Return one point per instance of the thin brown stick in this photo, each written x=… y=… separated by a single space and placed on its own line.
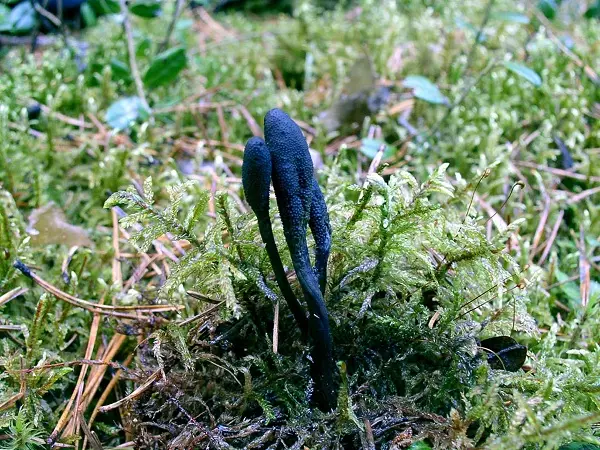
x=485 y=174
x=111 y=384
x=211 y=23
x=96 y=376
x=558 y=172
x=12 y=294
x=145 y=256
x=560 y=283
x=135 y=73
x=552 y=237
x=486 y=302
x=199 y=107
x=78 y=362
x=137 y=392
x=540 y=228
x=95 y=307
x=201 y=315
x=584 y=270
x=62 y=421
x=139 y=271
x=11 y=401
x=252 y=124
x=514 y=186
x=497 y=221
x=222 y=124
x=73 y=426
x=376 y=160
x=176 y=13
x=584 y=194
x=404 y=105
x=66 y=119
x=89 y=435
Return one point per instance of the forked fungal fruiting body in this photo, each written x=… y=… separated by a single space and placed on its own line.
x=256 y=179
x=300 y=202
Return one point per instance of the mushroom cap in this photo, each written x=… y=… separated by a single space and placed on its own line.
x=292 y=164
x=256 y=174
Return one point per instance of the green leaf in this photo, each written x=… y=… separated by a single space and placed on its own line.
x=425 y=90
x=370 y=147
x=184 y=24
x=4 y=13
x=569 y=288
x=579 y=446
x=510 y=16
x=122 y=113
x=143 y=48
x=21 y=19
x=420 y=445
x=593 y=12
x=120 y=70
x=102 y=7
x=464 y=25
x=165 y=67
x=148 y=9
x=524 y=72
x=548 y=8
x=88 y=15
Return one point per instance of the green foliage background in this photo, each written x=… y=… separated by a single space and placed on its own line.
x=411 y=241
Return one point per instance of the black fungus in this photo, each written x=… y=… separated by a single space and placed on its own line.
x=321 y=231
x=292 y=175
x=256 y=178
x=504 y=353
x=300 y=202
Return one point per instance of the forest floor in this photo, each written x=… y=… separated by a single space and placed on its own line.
x=457 y=144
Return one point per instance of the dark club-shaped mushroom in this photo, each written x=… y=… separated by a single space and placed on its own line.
x=256 y=179
x=300 y=202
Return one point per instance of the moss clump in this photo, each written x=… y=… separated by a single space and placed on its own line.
x=400 y=318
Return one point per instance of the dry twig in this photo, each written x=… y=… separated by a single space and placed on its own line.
x=552 y=237
x=135 y=73
x=95 y=307
x=136 y=393
x=176 y=13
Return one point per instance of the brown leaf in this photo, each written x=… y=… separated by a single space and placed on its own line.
x=48 y=225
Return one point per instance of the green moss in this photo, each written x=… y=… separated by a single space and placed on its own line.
x=406 y=268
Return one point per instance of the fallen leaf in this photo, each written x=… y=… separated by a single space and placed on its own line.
x=48 y=225
x=360 y=98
